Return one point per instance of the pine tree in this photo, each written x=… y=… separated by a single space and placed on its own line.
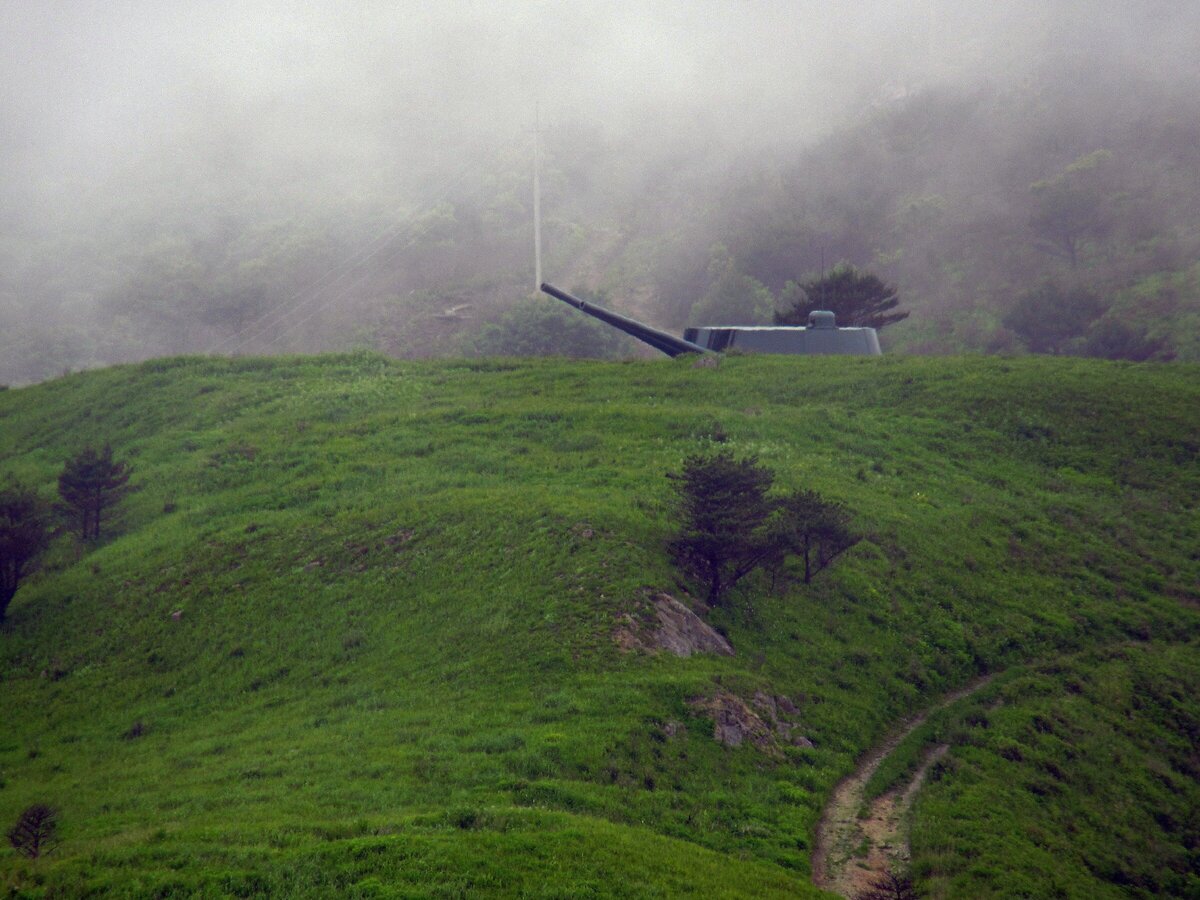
x=730 y=526
x=91 y=482
x=857 y=299
x=724 y=508
x=814 y=529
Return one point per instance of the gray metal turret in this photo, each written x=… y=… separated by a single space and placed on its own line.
x=821 y=337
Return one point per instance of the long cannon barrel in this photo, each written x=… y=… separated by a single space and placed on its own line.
x=659 y=340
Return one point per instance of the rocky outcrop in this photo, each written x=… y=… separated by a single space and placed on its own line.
x=767 y=721
x=664 y=623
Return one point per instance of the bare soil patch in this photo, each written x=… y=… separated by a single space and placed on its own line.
x=852 y=851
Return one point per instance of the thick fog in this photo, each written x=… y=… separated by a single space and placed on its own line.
x=93 y=89
x=121 y=120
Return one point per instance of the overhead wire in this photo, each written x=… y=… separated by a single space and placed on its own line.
x=344 y=292
x=330 y=274
x=273 y=319
x=413 y=239
x=287 y=309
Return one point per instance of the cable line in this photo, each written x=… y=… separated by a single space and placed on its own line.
x=278 y=316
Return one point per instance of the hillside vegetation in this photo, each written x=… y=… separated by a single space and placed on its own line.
x=352 y=634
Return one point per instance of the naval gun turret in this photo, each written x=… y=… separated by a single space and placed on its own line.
x=821 y=336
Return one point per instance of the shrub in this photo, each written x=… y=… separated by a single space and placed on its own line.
x=889 y=885
x=1049 y=317
x=35 y=831
x=543 y=327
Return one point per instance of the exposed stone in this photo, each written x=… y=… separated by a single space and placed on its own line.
x=625 y=635
x=735 y=721
x=683 y=633
x=766 y=703
x=669 y=625
x=707 y=361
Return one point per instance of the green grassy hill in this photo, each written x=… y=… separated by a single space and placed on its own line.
x=364 y=610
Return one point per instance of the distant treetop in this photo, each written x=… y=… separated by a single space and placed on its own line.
x=857 y=298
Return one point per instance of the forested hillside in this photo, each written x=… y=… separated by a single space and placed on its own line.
x=988 y=206
x=971 y=201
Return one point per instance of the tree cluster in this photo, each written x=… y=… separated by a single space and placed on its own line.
x=732 y=298
x=1070 y=320
x=90 y=483
x=730 y=524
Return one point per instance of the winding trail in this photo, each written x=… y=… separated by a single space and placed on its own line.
x=851 y=851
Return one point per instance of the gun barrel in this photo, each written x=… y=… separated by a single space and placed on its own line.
x=659 y=340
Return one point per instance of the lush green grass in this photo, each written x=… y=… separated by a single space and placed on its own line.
x=1079 y=779
x=1076 y=778
x=397 y=584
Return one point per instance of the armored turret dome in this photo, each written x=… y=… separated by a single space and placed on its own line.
x=822 y=318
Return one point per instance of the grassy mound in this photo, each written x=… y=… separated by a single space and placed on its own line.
x=353 y=632
x=1077 y=779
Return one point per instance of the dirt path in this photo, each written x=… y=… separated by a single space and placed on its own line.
x=852 y=851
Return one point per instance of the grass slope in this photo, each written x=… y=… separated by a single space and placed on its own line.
x=392 y=673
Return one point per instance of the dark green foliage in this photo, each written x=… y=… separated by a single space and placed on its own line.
x=35 y=832
x=924 y=194
x=545 y=327
x=733 y=298
x=921 y=192
x=723 y=505
x=730 y=526
x=1084 y=784
x=857 y=298
x=1049 y=317
x=91 y=482
x=889 y=886
x=1113 y=339
x=23 y=537
x=816 y=530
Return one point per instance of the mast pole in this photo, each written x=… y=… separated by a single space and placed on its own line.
x=537 y=199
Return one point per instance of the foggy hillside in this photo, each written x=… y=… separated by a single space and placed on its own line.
x=238 y=178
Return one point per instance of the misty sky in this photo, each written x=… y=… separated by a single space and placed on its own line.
x=92 y=87
x=124 y=117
